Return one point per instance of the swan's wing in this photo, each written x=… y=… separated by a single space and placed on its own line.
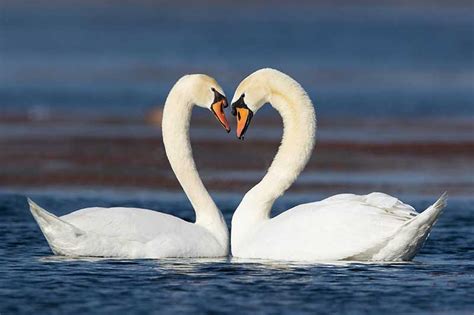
x=388 y=204
x=391 y=205
x=132 y=223
x=332 y=229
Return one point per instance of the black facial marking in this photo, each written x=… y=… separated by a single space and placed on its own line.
x=219 y=97
x=240 y=103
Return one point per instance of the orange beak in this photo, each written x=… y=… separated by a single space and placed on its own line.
x=218 y=109
x=244 y=116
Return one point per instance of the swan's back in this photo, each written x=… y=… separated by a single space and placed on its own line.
x=134 y=223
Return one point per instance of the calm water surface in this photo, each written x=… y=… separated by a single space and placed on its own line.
x=440 y=280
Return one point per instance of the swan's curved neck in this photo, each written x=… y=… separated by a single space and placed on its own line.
x=175 y=130
x=299 y=128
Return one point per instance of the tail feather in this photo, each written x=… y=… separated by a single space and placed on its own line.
x=432 y=213
x=408 y=239
x=59 y=233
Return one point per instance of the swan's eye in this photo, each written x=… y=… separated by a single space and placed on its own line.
x=213 y=89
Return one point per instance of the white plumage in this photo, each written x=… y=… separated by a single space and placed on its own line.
x=125 y=232
x=142 y=233
x=373 y=227
x=342 y=227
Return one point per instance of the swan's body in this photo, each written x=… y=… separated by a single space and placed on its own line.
x=141 y=233
x=126 y=233
x=374 y=227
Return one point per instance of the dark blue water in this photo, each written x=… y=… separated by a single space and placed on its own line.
x=356 y=60
x=439 y=281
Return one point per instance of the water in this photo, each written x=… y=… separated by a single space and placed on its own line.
x=32 y=280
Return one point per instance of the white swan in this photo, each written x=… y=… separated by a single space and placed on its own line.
x=141 y=233
x=373 y=227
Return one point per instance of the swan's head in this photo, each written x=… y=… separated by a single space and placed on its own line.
x=207 y=93
x=251 y=94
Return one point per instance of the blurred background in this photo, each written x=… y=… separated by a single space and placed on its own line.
x=82 y=85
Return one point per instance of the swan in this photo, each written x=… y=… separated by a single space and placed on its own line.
x=141 y=233
x=373 y=227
